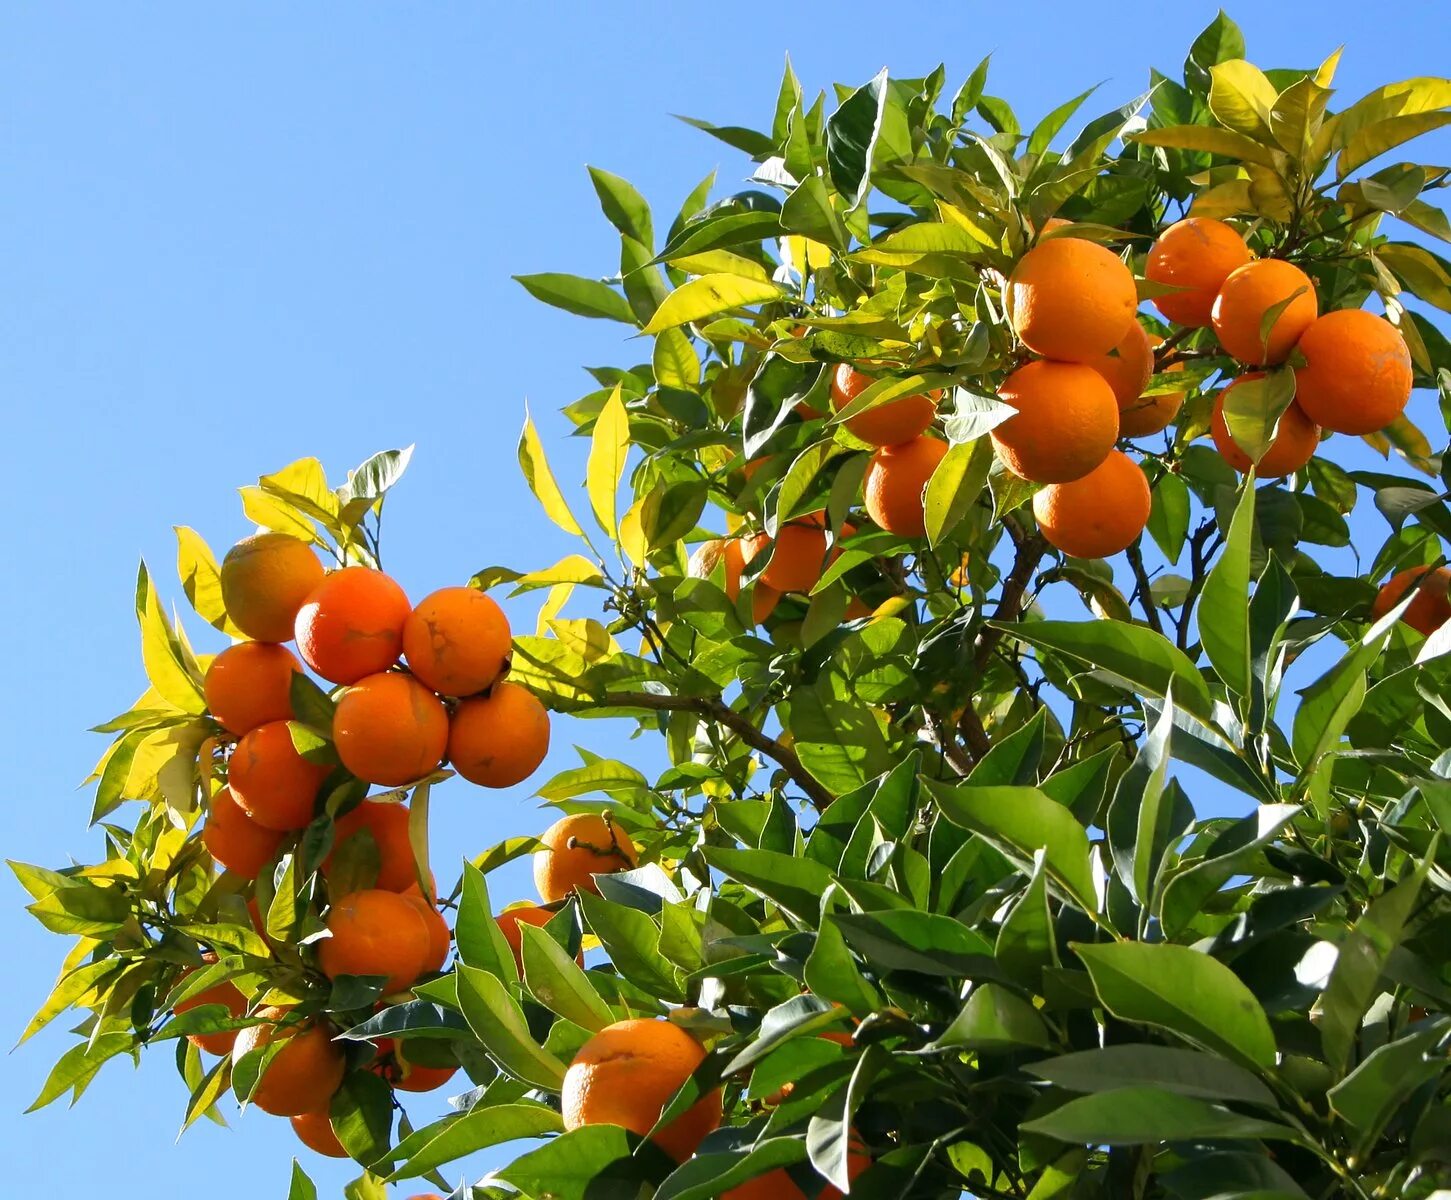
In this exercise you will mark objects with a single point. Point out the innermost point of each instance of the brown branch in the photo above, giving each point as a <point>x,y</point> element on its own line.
<point>1030,549</point>
<point>978,741</point>
<point>1144,590</point>
<point>717,710</point>
<point>949,745</point>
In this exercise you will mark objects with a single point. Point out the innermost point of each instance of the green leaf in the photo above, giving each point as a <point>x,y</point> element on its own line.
<point>541,479</point>
<point>808,211</point>
<point>362,1115</point>
<point>851,136</point>
<point>609,447</point>
<point>1328,704</point>
<point>69,988</point>
<point>832,973</point>
<point>78,1066</point>
<point>1020,821</point>
<point>1185,992</point>
<point>1183,1072</point>
<point>498,1022</point>
<point>675,361</point>
<point>301,1187</point>
<point>722,233</point>
<point>706,1175</point>
<point>1253,407</point>
<point>1224,605</point>
<point>589,1163</point>
<point>1367,1098</point>
<point>1240,97</point>
<point>1026,943</point>
<point>575,294</point>
<point>1233,852</point>
<point>955,486</point>
<point>623,206</point>
<point>632,940</point>
<point>83,909</point>
<point>994,1019</point>
<point>170,667</point>
<point>1209,140</point>
<point>477,936</point>
<point>709,295</point>
<point>908,940</point>
<point>1169,516</point>
<point>1141,819</point>
<point>796,884</point>
<point>557,982</point>
<point>462,1134</point>
<point>1135,1116</point>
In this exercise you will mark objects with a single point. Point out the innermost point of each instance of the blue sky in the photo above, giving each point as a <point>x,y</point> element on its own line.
<point>232,236</point>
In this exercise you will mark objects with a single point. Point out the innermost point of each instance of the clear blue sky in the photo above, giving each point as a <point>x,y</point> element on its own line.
<point>234,235</point>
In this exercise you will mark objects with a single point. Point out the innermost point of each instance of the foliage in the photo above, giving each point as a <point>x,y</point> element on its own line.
<point>962,825</point>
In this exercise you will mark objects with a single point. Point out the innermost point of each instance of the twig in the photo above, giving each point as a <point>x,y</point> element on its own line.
<point>1198,557</point>
<point>1030,549</point>
<point>1144,590</point>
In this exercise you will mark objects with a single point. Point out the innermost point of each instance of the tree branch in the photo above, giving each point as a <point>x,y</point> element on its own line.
<point>1144,591</point>
<point>1030,549</point>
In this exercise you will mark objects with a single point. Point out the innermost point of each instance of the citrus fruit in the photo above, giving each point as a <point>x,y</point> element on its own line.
<point>1127,368</point>
<point>265,578</point>
<point>389,729</point>
<point>1198,254</point>
<point>797,553</point>
<point>1357,372</point>
<point>500,739</point>
<point>1098,515</point>
<point>315,1131</point>
<point>351,624</point>
<point>456,641</point>
<point>1245,303</point>
<point>1143,415</point>
<point>396,1066</point>
<point>511,918</point>
<point>375,933</point>
<point>627,1073</point>
<point>722,553</point>
<point>438,931</point>
<point>250,684</point>
<point>387,825</point>
<point>1293,447</point>
<point>235,840</point>
<point>303,1075</point>
<point>895,482</point>
<point>887,424</point>
<point>225,994</point>
<point>1065,425</point>
<point>576,848</point>
<point>1071,299</point>
<point>1428,610</point>
<point>272,782</point>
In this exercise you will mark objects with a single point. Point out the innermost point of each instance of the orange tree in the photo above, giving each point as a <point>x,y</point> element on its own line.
<point>1054,799</point>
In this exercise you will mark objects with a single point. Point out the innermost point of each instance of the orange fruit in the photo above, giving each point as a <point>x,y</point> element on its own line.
<point>1245,300</point>
<point>1293,447</point>
<point>1142,415</point>
<point>375,933</point>
<point>1128,367</point>
<point>724,553</point>
<point>1098,515</point>
<point>576,848</point>
<point>351,624</point>
<point>797,554</point>
<point>388,826</point>
<point>1071,299</point>
<point>235,840</point>
<point>509,921</point>
<point>1198,254</point>
<point>225,994</point>
<point>888,424</point>
<point>627,1073</point>
<point>1357,372</point>
<point>1066,423</point>
<point>315,1131</point>
<point>778,1184</point>
<point>302,1076</point>
<point>393,1065</point>
<point>895,482</point>
<point>457,641</point>
<point>265,578</point>
<point>272,782</point>
<point>500,739</point>
<point>389,729</point>
<point>250,684</point>
<point>763,602</point>
<point>438,932</point>
<point>1428,610</point>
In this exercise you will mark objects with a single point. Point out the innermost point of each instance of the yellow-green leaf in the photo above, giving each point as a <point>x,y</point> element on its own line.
<point>608,448</point>
<point>201,580</point>
<point>1240,97</point>
<point>1409,96</point>
<point>632,533</point>
<point>676,363</point>
<point>172,671</point>
<point>1223,200</point>
<point>276,514</point>
<point>571,569</point>
<point>304,484</point>
<point>707,296</point>
<point>1421,272</point>
<point>1374,140</point>
<point>541,479</point>
<point>720,262</point>
<point>1209,140</point>
<point>1296,116</point>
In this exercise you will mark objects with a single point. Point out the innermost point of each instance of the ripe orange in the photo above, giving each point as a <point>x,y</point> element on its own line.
<point>225,994</point>
<point>893,487</point>
<point>1245,300</point>
<point>1128,367</point>
<point>1198,254</point>
<point>522,914</point>
<point>405,1075</point>
<point>456,641</point>
<point>315,1131</point>
<point>375,933</point>
<point>389,729</point>
<point>1357,372</point>
<point>235,840</point>
<point>627,1073</point>
<point>272,782</point>
<point>764,599</point>
<point>438,932</point>
<point>388,826</point>
<point>724,553</point>
<point>797,555</point>
<point>302,1076</point>
<point>351,624</point>
<point>1098,515</point>
<point>1066,423</point>
<point>1071,299</point>
<point>576,848</point>
<point>265,578</point>
<point>778,1184</point>
<point>250,684</point>
<point>500,739</point>
<point>888,424</point>
<point>1293,447</point>
<point>1143,415</point>
<point>1428,610</point>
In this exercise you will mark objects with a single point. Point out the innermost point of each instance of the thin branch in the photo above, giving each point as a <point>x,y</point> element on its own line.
<point>1030,549</point>
<point>1144,591</point>
<point>978,742</point>
<point>949,745</point>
